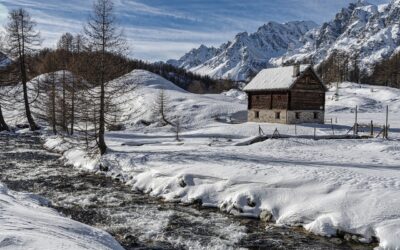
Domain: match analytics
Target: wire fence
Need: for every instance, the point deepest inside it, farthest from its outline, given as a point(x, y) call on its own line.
point(352, 127)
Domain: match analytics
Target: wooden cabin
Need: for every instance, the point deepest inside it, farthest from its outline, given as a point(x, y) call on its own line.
point(289, 95)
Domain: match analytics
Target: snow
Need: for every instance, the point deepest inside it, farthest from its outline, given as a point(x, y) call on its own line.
point(326, 186)
point(26, 223)
point(236, 94)
point(274, 78)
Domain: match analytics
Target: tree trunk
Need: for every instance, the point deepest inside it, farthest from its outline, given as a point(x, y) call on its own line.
point(102, 122)
point(24, 79)
point(3, 124)
point(31, 122)
point(64, 104)
point(72, 107)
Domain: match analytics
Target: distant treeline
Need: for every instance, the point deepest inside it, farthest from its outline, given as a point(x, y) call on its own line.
point(340, 67)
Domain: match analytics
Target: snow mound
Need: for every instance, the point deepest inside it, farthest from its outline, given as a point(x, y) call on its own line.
point(235, 93)
point(26, 224)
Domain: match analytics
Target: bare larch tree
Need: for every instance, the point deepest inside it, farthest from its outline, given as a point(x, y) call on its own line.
point(3, 124)
point(22, 41)
point(161, 107)
point(104, 38)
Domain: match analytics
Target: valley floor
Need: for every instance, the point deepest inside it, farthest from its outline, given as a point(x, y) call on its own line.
point(330, 187)
point(327, 186)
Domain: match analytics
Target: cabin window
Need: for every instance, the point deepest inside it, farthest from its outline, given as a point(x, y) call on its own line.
point(256, 114)
point(315, 115)
point(297, 115)
point(277, 115)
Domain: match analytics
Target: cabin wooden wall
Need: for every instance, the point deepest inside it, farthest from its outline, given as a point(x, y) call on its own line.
point(269, 100)
point(307, 93)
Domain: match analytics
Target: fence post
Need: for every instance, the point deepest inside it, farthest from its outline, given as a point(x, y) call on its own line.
point(387, 123)
point(372, 128)
point(356, 122)
point(260, 131)
point(295, 129)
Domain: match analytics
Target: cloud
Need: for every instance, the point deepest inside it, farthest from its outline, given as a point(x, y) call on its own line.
point(160, 29)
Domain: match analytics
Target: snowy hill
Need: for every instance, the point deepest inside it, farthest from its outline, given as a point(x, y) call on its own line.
point(369, 99)
point(193, 109)
point(13, 102)
point(247, 54)
point(367, 33)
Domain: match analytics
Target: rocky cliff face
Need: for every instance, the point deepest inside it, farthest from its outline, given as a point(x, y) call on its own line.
point(364, 33)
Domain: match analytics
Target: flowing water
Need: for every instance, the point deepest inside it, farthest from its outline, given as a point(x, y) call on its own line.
point(138, 221)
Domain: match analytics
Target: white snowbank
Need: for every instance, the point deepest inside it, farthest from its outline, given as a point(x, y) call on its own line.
point(26, 224)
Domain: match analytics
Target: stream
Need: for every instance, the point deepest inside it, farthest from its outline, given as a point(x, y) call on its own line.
point(136, 220)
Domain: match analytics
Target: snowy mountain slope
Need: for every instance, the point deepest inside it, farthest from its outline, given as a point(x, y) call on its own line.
point(195, 57)
point(13, 104)
point(26, 224)
point(369, 99)
point(139, 105)
point(194, 110)
point(247, 53)
point(366, 33)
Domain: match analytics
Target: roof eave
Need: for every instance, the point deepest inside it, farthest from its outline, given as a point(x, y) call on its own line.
point(261, 90)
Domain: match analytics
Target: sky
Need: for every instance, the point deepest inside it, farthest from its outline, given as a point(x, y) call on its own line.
point(158, 30)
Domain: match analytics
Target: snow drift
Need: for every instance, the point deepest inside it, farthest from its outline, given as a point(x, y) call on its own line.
point(27, 224)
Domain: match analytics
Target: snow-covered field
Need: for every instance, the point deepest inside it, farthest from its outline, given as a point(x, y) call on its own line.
point(326, 186)
point(26, 223)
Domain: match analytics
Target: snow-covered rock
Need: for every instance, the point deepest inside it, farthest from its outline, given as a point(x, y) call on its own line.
point(238, 94)
point(247, 54)
point(26, 224)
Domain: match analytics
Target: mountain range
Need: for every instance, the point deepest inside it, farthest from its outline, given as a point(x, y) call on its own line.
point(364, 32)
point(247, 54)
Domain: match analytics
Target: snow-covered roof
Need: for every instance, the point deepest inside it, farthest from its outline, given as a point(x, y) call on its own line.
point(274, 78)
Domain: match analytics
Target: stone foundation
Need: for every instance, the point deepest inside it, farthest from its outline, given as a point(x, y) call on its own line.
point(286, 116)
